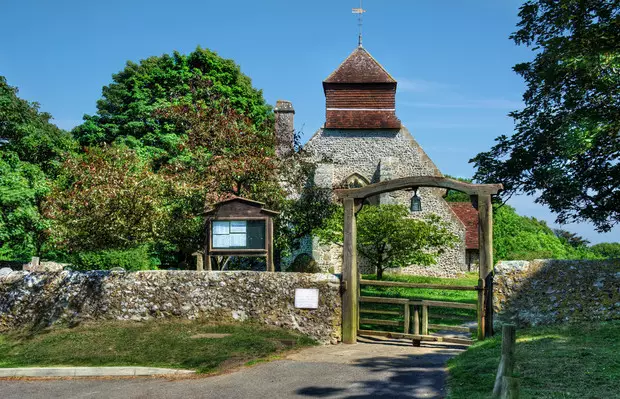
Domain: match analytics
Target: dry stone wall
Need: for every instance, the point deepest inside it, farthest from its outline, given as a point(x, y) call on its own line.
point(41, 299)
point(556, 291)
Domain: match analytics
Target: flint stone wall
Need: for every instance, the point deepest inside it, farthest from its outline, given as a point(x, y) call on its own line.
point(42, 299)
point(556, 291)
point(380, 155)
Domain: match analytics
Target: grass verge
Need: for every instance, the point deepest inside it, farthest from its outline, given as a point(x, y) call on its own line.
point(573, 361)
point(437, 315)
point(174, 344)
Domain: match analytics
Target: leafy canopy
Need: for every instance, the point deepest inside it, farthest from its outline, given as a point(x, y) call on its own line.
point(31, 151)
point(129, 109)
point(28, 133)
point(517, 237)
point(607, 249)
point(22, 228)
point(106, 198)
point(565, 149)
point(387, 237)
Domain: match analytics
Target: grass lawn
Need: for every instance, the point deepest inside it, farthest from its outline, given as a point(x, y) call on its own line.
point(436, 315)
point(552, 362)
point(173, 344)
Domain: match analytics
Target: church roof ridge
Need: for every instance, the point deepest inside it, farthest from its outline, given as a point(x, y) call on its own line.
point(360, 67)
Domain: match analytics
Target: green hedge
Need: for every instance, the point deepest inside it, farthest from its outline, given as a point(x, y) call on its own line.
point(133, 259)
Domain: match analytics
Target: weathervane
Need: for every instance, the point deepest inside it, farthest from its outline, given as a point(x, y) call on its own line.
point(359, 11)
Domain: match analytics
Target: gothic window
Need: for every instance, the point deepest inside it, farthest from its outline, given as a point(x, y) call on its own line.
point(355, 181)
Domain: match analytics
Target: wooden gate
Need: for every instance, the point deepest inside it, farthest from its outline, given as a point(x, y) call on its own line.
point(412, 316)
point(353, 200)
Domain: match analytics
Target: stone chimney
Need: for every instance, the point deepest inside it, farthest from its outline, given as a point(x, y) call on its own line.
point(285, 128)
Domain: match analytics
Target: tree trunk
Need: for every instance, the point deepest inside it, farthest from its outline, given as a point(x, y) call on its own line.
point(379, 273)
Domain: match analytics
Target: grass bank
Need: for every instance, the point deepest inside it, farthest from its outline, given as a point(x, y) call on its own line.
point(437, 315)
point(197, 345)
point(552, 362)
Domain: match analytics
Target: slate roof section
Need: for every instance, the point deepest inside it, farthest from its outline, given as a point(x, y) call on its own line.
point(466, 212)
point(360, 67)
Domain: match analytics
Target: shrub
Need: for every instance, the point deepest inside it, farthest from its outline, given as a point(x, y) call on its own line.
point(133, 259)
point(304, 263)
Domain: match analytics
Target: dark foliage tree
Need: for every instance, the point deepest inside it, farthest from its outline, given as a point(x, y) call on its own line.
point(571, 239)
point(565, 149)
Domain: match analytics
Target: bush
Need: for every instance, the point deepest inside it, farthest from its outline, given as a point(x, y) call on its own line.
point(129, 259)
point(304, 263)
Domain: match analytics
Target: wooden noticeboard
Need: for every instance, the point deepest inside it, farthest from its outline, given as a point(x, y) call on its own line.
point(240, 227)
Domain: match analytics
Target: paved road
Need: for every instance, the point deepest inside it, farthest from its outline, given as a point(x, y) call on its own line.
point(372, 369)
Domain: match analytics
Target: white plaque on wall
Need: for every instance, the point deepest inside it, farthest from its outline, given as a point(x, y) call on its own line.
point(307, 298)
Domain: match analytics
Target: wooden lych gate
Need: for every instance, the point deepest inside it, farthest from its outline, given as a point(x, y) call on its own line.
point(353, 199)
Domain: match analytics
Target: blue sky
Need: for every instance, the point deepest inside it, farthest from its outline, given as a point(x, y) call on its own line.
point(452, 59)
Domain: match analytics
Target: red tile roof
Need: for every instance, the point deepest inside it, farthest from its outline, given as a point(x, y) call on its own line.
point(469, 216)
point(360, 67)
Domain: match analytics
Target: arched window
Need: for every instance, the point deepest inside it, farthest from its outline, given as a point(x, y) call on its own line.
point(355, 181)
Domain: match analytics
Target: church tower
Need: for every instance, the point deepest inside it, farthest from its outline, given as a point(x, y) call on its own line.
point(363, 142)
point(360, 94)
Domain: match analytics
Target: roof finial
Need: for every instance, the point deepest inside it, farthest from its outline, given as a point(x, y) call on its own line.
point(359, 11)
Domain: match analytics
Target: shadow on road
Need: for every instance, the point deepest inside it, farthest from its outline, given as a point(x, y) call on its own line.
point(402, 376)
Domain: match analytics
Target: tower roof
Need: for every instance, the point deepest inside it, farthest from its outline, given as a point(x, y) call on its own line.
point(360, 67)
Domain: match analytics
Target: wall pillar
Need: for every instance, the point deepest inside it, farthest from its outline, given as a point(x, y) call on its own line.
point(350, 276)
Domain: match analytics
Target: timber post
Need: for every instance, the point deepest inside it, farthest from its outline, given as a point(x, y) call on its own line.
point(505, 385)
point(480, 310)
point(350, 276)
point(485, 230)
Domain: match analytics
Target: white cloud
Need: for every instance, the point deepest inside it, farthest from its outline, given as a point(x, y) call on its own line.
point(420, 85)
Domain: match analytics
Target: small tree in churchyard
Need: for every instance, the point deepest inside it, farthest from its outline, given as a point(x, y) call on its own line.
point(388, 238)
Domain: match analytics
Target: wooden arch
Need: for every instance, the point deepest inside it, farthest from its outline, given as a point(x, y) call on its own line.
point(352, 199)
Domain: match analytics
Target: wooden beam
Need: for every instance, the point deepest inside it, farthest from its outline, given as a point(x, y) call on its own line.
point(480, 310)
point(350, 297)
point(485, 234)
point(424, 320)
point(379, 299)
point(453, 305)
point(418, 181)
point(449, 328)
point(269, 241)
point(402, 301)
point(383, 312)
point(380, 322)
point(432, 338)
point(407, 317)
point(418, 285)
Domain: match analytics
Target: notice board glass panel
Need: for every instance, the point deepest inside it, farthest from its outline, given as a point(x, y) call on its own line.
point(238, 234)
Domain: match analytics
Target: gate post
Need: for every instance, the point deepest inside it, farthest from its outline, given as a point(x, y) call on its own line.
point(485, 230)
point(350, 277)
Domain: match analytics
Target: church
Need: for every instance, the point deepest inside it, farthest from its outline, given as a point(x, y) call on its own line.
point(362, 142)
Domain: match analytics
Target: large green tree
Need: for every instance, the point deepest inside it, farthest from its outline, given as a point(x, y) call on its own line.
point(389, 238)
point(31, 151)
point(130, 108)
point(565, 149)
